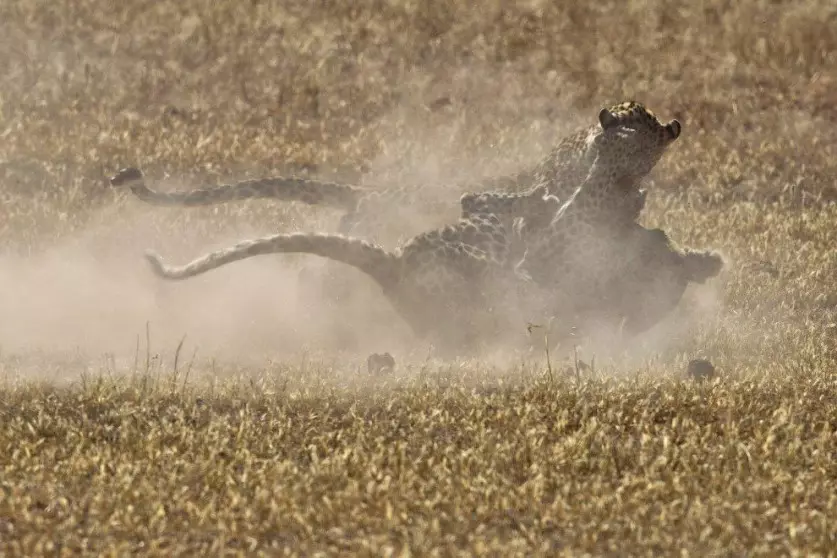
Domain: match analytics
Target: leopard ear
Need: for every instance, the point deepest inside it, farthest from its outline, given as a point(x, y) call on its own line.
point(674, 128)
point(607, 119)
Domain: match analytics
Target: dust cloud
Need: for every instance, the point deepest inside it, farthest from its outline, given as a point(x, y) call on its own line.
point(93, 293)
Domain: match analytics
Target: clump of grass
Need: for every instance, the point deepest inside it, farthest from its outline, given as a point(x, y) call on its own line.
point(532, 465)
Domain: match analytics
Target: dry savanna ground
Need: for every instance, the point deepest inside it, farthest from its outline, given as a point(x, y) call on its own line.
point(261, 431)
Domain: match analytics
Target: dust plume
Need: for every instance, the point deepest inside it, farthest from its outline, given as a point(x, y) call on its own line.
point(94, 294)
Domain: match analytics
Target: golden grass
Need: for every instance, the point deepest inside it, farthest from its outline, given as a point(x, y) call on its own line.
point(247, 455)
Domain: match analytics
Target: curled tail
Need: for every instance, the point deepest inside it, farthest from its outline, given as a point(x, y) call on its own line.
point(369, 258)
point(312, 192)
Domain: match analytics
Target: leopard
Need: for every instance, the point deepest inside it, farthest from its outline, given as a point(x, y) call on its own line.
point(450, 285)
point(386, 215)
point(564, 167)
point(593, 259)
point(627, 142)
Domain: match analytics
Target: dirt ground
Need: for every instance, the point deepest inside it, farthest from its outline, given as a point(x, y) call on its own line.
point(233, 414)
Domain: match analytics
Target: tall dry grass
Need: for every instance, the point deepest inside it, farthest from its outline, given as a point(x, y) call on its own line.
point(274, 440)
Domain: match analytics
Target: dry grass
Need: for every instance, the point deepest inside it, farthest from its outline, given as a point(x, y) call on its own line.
point(253, 449)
